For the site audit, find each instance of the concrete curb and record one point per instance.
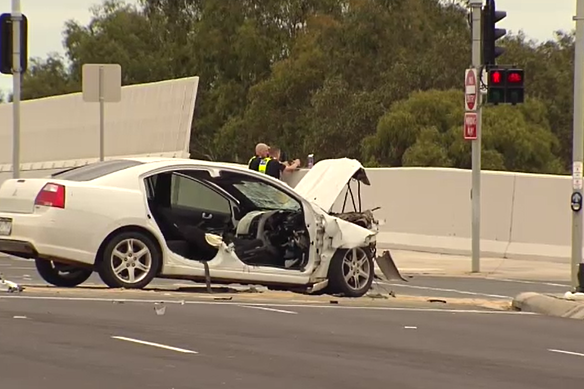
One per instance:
(549, 305)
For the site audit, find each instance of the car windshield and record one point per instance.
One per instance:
(266, 196)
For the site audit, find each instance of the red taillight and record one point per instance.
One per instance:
(52, 195)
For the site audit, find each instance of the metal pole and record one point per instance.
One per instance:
(16, 71)
(101, 117)
(578, 149)
(476, 6)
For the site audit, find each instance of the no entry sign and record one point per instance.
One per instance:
(470, 90)
(470, 125)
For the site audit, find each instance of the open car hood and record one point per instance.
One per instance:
(327, 179)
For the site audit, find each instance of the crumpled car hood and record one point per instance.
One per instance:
(324, 183)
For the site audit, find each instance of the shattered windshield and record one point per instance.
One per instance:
(267, 197)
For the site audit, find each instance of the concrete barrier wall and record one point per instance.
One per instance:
(429, 209)
(62, 131)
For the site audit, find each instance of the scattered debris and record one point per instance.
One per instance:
(333, 302)
(437, 301)
(9, 286)
(159, 308)
(223, 298)
(377, 296)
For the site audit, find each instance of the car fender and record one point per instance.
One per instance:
(126, 222)
(346, 235)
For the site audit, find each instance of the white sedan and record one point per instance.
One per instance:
(135, 219)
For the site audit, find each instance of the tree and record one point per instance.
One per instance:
(426, 130)
(319, 76)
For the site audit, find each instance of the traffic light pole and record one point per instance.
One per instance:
(476, 143)
(16, 77)
(578, 152)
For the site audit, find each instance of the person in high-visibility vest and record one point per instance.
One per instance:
(261, 158)
(275, 167)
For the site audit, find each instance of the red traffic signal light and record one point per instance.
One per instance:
(514, 77)
(496, 77)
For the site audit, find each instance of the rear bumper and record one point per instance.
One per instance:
(18, 248)
(44, 235)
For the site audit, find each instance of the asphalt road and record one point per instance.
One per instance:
(22, 271)
(62, 344)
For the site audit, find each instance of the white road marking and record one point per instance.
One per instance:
(448, 290)
(19, 317)
(269, 309)
(180, 350)
(566, 352)
(410, 327)
(530, 282)
(282, 305)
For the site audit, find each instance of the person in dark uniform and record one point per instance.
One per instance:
(261, 158)
(275, 167)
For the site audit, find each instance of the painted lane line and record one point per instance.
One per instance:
(283, 305)
(566, 352)
(269, 309)
(531, 282)
(163, 346)
(448, 290)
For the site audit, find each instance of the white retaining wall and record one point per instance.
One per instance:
(152, 119)
(429, 209)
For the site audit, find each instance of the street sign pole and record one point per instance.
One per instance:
(101, 83)
(578, 153)
(476, 143)
(16, 77)
(101, 116)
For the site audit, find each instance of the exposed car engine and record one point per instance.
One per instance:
(279, 239)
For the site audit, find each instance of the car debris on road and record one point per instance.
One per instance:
(9, 286)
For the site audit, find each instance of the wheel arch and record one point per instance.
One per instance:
(131, 228)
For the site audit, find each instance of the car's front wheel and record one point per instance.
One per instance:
(129, 260)
(61, 275)
(351, 272)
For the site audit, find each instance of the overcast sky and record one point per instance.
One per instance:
(537, 18)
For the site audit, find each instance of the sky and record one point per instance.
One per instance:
(538, 19)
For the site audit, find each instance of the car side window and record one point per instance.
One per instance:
(189, 193)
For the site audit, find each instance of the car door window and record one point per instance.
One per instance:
(189, 193)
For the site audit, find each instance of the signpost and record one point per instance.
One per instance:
(471, 90)
(470, 125)
(102, 83)
(14, 60)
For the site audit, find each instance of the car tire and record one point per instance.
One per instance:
(357, 264)
(60, 275)
(129, 260)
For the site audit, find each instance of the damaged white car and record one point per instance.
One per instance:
(132, 220)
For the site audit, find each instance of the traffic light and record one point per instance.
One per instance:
(490, 17)
(6, 39)
(514, 91)
(496, 88)
(506, 86)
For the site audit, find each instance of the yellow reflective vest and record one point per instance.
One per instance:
(263, 163)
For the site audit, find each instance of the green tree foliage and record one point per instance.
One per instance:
(379, 80)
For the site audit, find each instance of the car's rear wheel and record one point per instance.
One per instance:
(351, 272)
(130, 260)
(61, 275)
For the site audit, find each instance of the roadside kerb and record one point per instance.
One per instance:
(549, 305)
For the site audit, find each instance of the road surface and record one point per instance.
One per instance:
(61, 344)
(23, 271)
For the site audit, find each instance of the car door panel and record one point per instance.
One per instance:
(202, 218)
(195, 203)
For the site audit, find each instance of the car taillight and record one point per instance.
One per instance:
(52, 195)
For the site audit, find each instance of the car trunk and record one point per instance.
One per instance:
(18, 195)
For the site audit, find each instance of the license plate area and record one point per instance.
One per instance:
(5, 226)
